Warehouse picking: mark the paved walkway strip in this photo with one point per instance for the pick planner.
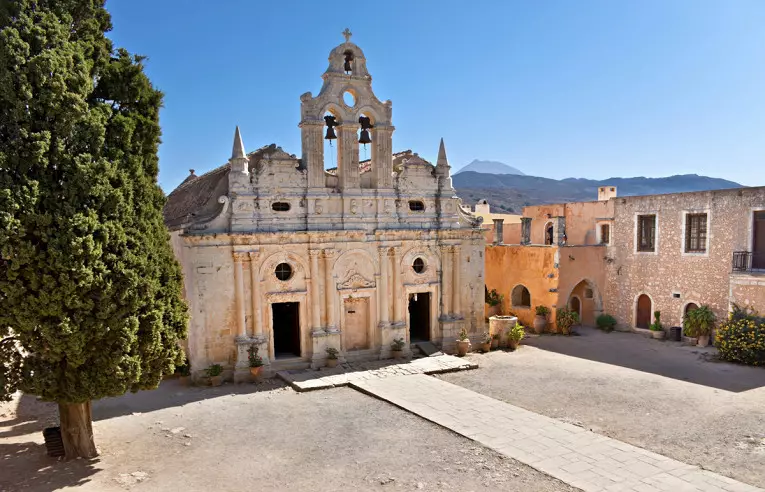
(581, 458)
(310, 379)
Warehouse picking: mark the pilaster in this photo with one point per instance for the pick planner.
(330, 290)
(382, 156)
(348, 157)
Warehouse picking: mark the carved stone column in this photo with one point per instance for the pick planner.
(315, 285)
(383, 286)
(257, 315)
(397, 287)
(456, 286)
(348, 157)
(498, 231)
(446, 279)
(330, 290)
(525, 230)
(313, 152)
(241, 326)
(382, 156)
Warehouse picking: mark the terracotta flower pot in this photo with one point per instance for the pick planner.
(703, 340)
(255, 371)
(397, 354)
(486, 346)
(331, 362)
(185, 380)
(216, 380)
(540, 323)
(463, 346)
(513, 344)
(494, 343)
(658, 334)
(493, 310)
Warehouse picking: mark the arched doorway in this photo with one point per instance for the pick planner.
(549, 234)
(586, 301)
(643, 314)
(575, 305)
(689, 307)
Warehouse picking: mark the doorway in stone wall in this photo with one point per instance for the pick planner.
(419, 317)
(356, 317)
(643, 315)
(576, 306)
(758, 246)
(286, 326)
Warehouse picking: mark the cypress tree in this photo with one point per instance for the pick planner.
(90, 293)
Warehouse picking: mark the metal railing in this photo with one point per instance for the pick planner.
(746, 261)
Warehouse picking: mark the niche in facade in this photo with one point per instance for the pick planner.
(280, 207)
(418, 265)
(416, 206)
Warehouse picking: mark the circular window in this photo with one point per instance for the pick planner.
(349, 99)
(418, 265)
(283, 271)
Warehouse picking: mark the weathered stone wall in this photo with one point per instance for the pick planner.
(698, 278)
(581, 220)
(748, 290)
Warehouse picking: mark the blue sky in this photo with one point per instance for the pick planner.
(591, 88)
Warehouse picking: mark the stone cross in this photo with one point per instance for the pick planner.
(347, 33)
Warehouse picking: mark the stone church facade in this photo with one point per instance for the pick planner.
(280, 253)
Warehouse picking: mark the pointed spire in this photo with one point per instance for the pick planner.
(238, 151)
(442, 160)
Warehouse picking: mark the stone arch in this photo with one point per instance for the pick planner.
(687, 307)
(590, 308)
(432, 260)
(346, 259)
(520, 296)
(637, 311)
(370, 112)
(269, 264)
(548, 234)
(575, 305)
(340, 114)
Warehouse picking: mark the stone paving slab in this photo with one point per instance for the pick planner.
(583, 459)
(310, 379)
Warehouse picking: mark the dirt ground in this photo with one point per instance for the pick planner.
(255, 437)
(670, 399)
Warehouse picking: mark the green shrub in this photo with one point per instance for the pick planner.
(699, 322)
(565, 319)
(742, 340)
(214, 370)
(606, 322)
(656, 325)
(493, 298)
(542, 310)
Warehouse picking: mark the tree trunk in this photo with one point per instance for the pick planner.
(77, 430)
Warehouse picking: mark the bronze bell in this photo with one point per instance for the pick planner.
(330, 134)
(331, 124)
(347, 65)
(364, 137)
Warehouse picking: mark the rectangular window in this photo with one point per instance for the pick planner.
(646, 233)
(605, 234)
(696, 233)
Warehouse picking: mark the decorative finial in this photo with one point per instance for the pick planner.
(347, 33)
(238, 151)
(191, 172)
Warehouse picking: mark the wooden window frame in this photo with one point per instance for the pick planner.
(641, 219)
(696, 240)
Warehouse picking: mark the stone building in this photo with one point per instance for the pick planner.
(279, 253)
(631, 256)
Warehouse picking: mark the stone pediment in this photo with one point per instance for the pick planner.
(354, 280)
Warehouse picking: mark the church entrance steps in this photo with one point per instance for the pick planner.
(289, 364)
(581, 458)
(428, 348)
(308, 380)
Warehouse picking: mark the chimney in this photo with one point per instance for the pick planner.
(605, 193)
(498, 232)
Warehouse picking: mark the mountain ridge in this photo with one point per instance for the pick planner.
(489, 167)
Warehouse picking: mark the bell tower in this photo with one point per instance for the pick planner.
(346, 97)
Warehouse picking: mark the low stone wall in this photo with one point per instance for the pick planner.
(502, 325)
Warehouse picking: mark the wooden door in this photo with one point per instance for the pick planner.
(758, 248)
(356, 311)
(643, 311)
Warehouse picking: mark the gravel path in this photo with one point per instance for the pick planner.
(237, 438)
(723, 431)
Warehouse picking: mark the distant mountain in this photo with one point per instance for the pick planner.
(511, 193)
(490, 167)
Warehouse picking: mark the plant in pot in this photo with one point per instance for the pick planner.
(463, 343)
(495, 341)
(606, 322)
(184, 373)
(565, 319)
(699, 323)
(515, 335)
(256, 361)
(657, 331)
(397, 348)
(486, 345)
(332, 353)
(494, 301)
(213, 374)
(540, 320)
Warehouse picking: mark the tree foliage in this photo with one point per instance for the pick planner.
(90, 293)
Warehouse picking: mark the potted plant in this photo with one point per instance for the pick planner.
(332, 356)
(463, 343)
(699, 323)
(494, 301)
(515, 335)
(606, 322)
(495, 341)
(566, 319)
(397, 348)
(184, 373)
(486, 345)
(256, 362)
(213, 374)
(540, 320)
(657, 331)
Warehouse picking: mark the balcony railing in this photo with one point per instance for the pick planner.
(745, 261)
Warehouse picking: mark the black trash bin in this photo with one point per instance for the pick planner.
(676, 334)
(53, 441)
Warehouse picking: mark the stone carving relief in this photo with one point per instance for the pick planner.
(225, 201)
(354, 280)
(319, 208)
(354, 207)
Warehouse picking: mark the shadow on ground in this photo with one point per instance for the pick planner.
(26, 467)
(664, 358)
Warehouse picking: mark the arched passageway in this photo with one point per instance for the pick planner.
(585, 299)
